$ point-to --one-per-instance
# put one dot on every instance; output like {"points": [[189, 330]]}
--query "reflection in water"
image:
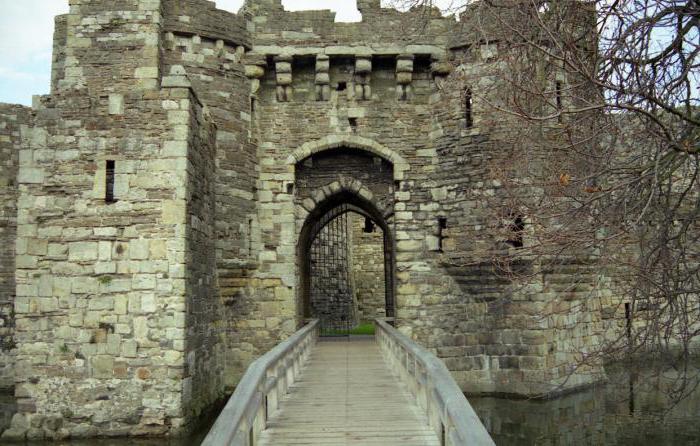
{"points": [[8, 408], [632, 409]]}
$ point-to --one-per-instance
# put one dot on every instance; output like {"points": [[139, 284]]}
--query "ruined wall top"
{"points": [[201, 17], [381, 31]]}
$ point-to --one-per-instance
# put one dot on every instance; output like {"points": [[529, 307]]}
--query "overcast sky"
{"points": [[26, 33]]}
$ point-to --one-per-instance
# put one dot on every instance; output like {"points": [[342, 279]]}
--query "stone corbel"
{"points": [[404, 75], [323, 79], [254, 70], [283, 72], [363, 75], [440, 68]]}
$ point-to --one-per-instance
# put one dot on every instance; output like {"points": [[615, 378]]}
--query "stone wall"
{"points": [[279, 30], [204, 356], [116, 311], [12, 117], [523, 327], [325, 85], [209, 45], [368, 269], [100, 310], [86, 40], [202, 18], [230, 135]]}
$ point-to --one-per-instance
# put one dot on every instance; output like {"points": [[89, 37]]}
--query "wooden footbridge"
{"points": [[383, 390]]}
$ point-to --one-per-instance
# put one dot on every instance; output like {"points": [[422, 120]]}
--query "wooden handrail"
{"points": [[448, 411], [258, 393]]}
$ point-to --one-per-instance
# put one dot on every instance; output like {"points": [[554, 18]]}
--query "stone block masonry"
{"points": [[12, 118], [104, 329], [154, 209], [368, 269]]}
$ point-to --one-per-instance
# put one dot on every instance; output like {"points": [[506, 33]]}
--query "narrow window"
{"points": [[560, 102], [109, 182], [517, 227], [342, 86], [628, 319], [267, 412], [369, 226], [468, 105], [442, 225], [250, 237], [353, 123], [253, 104], [403, 93]]}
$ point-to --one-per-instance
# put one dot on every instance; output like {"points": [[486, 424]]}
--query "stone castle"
{"points": [[162, 210]]}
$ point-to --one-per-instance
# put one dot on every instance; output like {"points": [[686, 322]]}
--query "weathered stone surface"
{"points": [[153, 302]]}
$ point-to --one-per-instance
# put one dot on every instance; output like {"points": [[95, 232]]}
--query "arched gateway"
{"points": [[346, 241]]}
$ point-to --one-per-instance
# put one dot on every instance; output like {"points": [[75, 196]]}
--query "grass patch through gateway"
{"points": [[364, 329]]}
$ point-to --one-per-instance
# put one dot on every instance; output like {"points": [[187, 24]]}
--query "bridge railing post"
{"points": [[259, 392], [447, 409]]}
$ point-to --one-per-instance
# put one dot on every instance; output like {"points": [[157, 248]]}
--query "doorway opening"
{"points": [[347, 270]]}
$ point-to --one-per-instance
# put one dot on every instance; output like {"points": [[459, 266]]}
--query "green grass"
{"points": [[364, 329]]}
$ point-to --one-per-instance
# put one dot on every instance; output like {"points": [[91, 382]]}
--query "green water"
{"points": [[631, 409]]}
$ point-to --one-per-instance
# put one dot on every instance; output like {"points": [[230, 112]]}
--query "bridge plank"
{"points": [[348, 396]]}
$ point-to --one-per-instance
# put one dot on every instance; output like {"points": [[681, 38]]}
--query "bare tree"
{"points": [[604, 94]]}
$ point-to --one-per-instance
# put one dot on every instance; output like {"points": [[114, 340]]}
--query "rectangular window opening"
{"points": [[369, 226], [442, 225], [517, 228], [253, 105], [250, 237], [468, 104], [353, 123], [109, 181], [560, 101], [267, 411], [342, 86]]}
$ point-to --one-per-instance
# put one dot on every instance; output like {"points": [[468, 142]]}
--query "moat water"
{"points": [[631, 409]]}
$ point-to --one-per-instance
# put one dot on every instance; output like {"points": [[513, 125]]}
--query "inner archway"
{"points": [[347, 272], [346, 243]]}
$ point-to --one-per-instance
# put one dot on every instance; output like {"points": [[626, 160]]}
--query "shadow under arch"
{"points": [[330, 208], [351, 142]]}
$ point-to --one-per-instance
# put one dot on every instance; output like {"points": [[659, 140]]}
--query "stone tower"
{"points": [[162, 201]]}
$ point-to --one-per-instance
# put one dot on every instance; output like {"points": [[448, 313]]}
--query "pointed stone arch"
{"points": [[352, 142], [343, 185], [317, 211]]}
